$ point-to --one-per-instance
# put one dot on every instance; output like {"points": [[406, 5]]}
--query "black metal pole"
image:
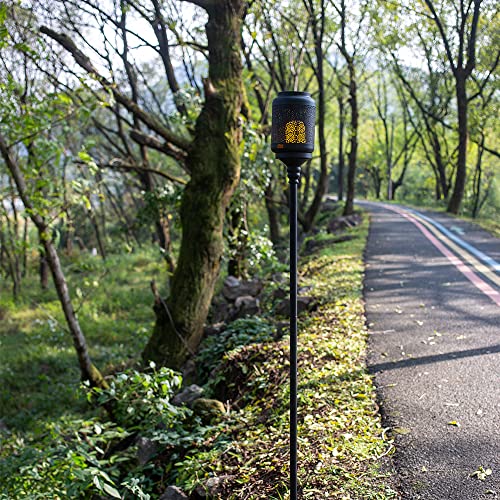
{"points": [[294, 179], [293, 142]]}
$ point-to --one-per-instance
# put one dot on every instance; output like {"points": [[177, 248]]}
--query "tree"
{"points": [[349, 48], [457, 25], [212, 160], [29, 149]]}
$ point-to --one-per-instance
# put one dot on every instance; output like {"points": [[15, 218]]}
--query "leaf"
{"points": [[110, 490], [454, 422], [86, 202], [481, 473], [84, 156], [401, 430], [97, 483]]}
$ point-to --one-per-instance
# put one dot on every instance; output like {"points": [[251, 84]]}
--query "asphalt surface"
{"points": [[434, 350]]}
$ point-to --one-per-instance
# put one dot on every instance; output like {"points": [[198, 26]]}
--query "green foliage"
{"points": [[69, 456], [67, 460], [141, 399], [240, 333], [79, 458], [39, 376], [341, 437]]}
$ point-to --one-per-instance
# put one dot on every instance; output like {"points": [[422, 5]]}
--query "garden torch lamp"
{"points": [[292, 139]]}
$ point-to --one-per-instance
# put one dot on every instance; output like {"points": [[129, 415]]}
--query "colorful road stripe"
{"points": [[440, 241], [479, 266], [480, 255]]}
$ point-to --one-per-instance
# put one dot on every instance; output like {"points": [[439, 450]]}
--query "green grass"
{"points": [[490, 224], [39, 375]]}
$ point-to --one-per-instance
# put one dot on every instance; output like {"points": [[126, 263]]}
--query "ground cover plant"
{"points": [[341, 439], [54, 443]]}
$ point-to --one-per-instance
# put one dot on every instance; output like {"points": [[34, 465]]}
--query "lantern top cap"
{"points": [[293, 93]]}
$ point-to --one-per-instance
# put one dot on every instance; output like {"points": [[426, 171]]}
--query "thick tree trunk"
{"points": [[214, 162], [352, 158], [459, 187], [238, 240]]}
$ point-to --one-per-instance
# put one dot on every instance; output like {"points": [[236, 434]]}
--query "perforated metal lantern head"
{"points": [[292, 136]]}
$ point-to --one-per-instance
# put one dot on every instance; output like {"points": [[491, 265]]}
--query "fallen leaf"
{"points": [[481, 473], [401, 430]]}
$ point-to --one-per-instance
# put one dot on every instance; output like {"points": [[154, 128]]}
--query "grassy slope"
{"points": [[489, 224], [341, 438]]}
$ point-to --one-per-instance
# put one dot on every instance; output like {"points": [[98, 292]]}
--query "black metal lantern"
{"points": [[292, 137], [294, 118]]}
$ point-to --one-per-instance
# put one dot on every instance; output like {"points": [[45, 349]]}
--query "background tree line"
{"points": [[126, 123]]}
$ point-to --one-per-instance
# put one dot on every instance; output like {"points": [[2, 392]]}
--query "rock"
{"points": [[344, 222], [304, 304], [279, 293], [211, 486], [231, 288], [209, 409], [189, 371], [174, 493], [279, 277], [312, 245], [188, 395], [214, 329], [246, 306], [329, 205], [281, 328], [146, 450], [234, 288], [222, 312]]}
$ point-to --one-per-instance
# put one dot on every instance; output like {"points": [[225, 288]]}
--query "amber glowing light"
{"points": [[295, 132]]}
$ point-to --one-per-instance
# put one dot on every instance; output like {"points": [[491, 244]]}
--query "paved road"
{"points": [[433, 308]]}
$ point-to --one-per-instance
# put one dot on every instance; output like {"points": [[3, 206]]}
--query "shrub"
{"points": [[240, 333]]}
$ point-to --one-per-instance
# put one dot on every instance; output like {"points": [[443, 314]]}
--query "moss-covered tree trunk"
{"points": [[214, 162]]}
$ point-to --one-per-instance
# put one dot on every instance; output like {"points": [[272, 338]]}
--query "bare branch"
{"points": [[119, 164], [84, 62], [164, 147]]}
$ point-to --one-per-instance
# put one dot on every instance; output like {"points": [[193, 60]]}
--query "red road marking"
{"points": [[458, 263]]}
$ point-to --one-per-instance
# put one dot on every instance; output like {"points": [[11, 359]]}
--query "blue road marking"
{"points": [[480, 255]]}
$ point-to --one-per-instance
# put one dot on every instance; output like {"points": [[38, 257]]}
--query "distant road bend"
{"points": [[432, 291]]}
